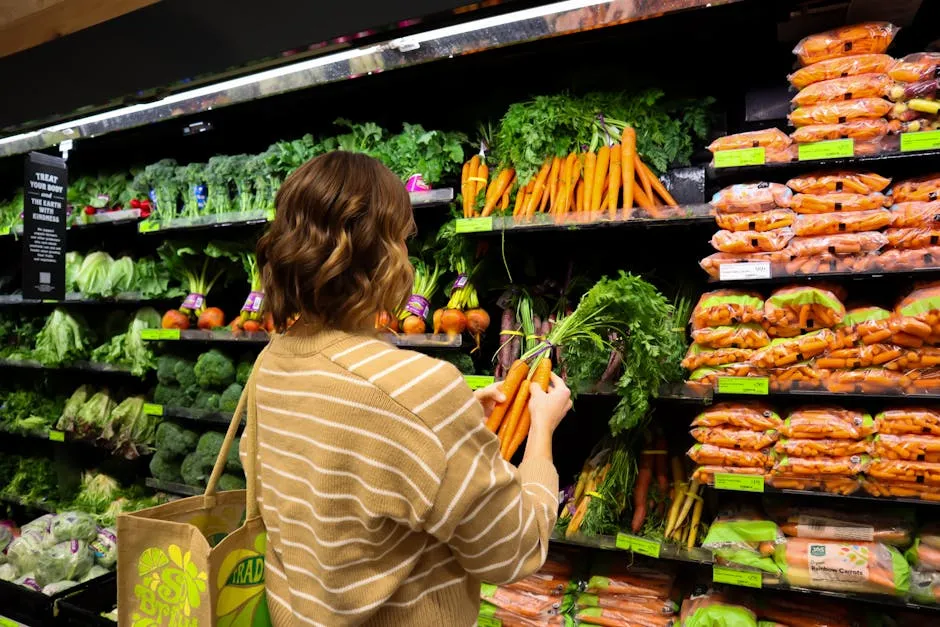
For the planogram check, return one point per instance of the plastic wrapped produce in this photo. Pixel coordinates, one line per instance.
(24, 552)
(897, 260)
(706, 474)
(735, 438)
(832, 484)
(841, 89)
(902, 470)
(709, 376)
(616, 616)
(738, 242)
(750, 335)
(800, 447)
(821, 263)
(923, 357)
(893, 528)
(753, 416)
(861, 130)
(712, 264)
(860, 567)
(925, 586)
(924, 88)
(901, 489)
(816, 466)
(837, 202)
(924, 448)
(784, 352)
(924, 305)
(908, 421)
(865, 381)
(760, 221)
(617, 579)
(740, 535)
(840, 112)
(520, 603)
(752, 197)
(699, 356)
(827, 422)
(770, 139)
(839, 182)
(915, 67)
(627, 603)
(841, 67)
(920, 237)
(72, 526)
(40, 524)
(711, 455)
(842, 244)
(66, 560)
(717, 609)
(57, 587)
(726, 307)
(801, 376)
(799, 308)
(104, 546)
(7, 572)
(842, 222)
(922, 189)
(916, 214)
(859, 357)
(865, 38)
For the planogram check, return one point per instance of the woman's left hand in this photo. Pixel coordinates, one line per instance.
(489, 397)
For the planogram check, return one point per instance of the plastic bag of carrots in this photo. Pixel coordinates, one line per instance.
(627, 603)
(802, 376)
(839, 67)
(903, 470)
(737, 242)
(860, 567)
(751, 416)
(842, 244)
(920, 237)
(741, 535)
(510, 619)
(837, 202)
(520, 603)
(752, 198)
(721, 308)
(845, 41)
(896, 260)
(908, 421)
(842, 89)
(718, 608)
(611, 577)
(822, 263)
(894, 528)
(915, 214)
(847, 222)
(759, 221)
(925, 586)
(620, 617)
(793, 310)
(845, 466)
(840, 112)
(859, 357)
(712, 455)
(712, 264)
(732, 438)
(750, 336)
(839, 182)
(770, 139)
(914, 448)
(865, 381)
(706, 474)
(863, 131)
(915, 67)
(699, 356)
(832, 484)
(867, 324)
(921, 189)
(901, 489)
(816, 423)
(916, 359)
(784, 352)
(708, 376)
(801, 447)
(922, 305)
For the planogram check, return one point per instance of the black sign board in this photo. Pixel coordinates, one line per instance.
(45, 189)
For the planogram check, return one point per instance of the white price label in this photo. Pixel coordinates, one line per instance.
(744, 271)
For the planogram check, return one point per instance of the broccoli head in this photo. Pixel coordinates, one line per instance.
(165, 467)
(214, 370)
(242, 372)
(229, 399)
(233, 462)
(231, 482)
(209, 445)
(174, 440)
(206, 401)
(185, 373)
(196, 469)
(167, 394)
(165, 369)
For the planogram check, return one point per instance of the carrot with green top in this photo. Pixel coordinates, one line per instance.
(601, 169)
(613, 189)
(500, 186)
(509, 387)
(590, 164)
(541, 378)
(537, 188)
(627, 166)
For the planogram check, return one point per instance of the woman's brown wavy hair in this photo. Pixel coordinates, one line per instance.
(335, 254)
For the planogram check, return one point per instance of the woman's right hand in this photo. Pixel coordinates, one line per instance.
(549, 408)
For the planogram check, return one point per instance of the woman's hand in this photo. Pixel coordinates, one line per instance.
(548, 408)
(489, 397)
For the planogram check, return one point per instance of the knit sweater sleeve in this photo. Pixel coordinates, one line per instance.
(495, 518)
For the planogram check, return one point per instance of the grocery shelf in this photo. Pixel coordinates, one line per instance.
(624, 542)
(706, 393)
(76, 298)
(776, 274)
(858, 496)
(180, 489)
(684, 216)
(422, 340)
(114, 218)
(77, 366)
(41, 506)
(184, 413)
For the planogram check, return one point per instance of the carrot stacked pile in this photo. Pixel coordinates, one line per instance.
(914, 234)
(616, 595)
(907, 454)
(534, 601)
(739, 438)
(587, 183)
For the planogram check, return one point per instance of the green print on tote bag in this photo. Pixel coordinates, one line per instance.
(198, 561)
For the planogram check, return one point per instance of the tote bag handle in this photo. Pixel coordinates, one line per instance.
(251, 449)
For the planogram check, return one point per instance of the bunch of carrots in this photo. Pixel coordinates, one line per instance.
(686, 499)
(590, 182)
(510, 419)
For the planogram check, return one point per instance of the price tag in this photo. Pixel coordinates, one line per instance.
(735, 577)
(924, 140)
(477, 381)
(6, 622)
(744, 271)
(487, 590)
(474, 225)
(832, 149)
(759, 386)
(735, 158)
(489, 621)
(739, 483)
(148, 226)
(641, 546)
(160, 334)
(57, 436)
(269, 215)
(152, 409)
(4, 230)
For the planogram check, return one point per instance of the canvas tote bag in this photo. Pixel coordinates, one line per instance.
(198, 561)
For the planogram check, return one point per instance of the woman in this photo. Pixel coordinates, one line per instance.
(383, 494)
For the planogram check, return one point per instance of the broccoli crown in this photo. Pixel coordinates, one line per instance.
(165, 467)
(184, 372)
(214, 370)
(229, 399)
(233, 462)
(196, 469)
(231, 482)
(167, 394)
(206, 401)
(172, 439)
(242, 372)
(210, 443)
(166, 365)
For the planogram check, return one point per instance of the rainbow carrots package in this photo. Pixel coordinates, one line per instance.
(721, 308)
(839, 182)
(865, 38)
(915, 67)
(860, 567)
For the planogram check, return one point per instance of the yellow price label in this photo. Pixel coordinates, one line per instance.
(740, 157)
(735, 577)
(152, 409)
(57, 436)
(744, 385)
(739, 483)
(148, 226)
(474, 225)
(160, 334)
(924, 140)
(831, 149)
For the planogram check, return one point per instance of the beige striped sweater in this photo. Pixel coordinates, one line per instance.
(384, 496)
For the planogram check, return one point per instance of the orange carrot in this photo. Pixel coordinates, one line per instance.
(510, 385)
(520, 200)
(520, 435)
(601, 169)
(512, 418)
(541, 378)
(553, 175)
(500, 186)
(658, 186)
(627, 151)
(464, 191)
(564, 186)
(537, 189)
(590, 164)
(546, 194)
(469, 197)
(641, 177)
(641, 198)
(613, 188)
(579, 197)
(481, 179)
(504, 203)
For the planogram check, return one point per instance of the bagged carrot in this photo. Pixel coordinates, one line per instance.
(859, 567)
(915, 67)
(901, 489)
(521, 603)
(751, 198)
(727, 307)
(843, 244)
(895, 528)
(915, 214)
(769, 139)
(901, 470)
(815, 466)
(699, 356)
(865, 381)
(839, 182)
(617, 617)
(752, 416)
(711, 455)
(611, 577)
(735, 438)
(801, 376)
(741, 535)
(922, 189)
(835, 223)
(859, 357)
(833, 484)
(925, 448)
(908, 421)
(784, 352)
(861, 130)
(867, 324)
(841, 67)
(914, 359)
(792, 310)
(865, 38)
(923, 305)
(840, 112)
(837, 201)
(920, 237)
(817, 423)
(842, 89)
(737, 242)
(627, 603)
(749, 335)
(712, 264)
(760, 221)
(706, 474)
(799, 447)
(708, 376)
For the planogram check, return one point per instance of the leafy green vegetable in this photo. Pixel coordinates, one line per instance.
(92, 418)
(72, 407)
(61, 340)
(93, 279)
(73, 263)
(97, 492)
(128, 350)
(417, 151)
(121, 276)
